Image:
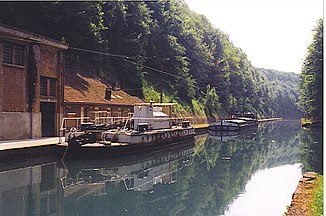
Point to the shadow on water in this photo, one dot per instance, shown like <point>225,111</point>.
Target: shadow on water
<point>199,178</point>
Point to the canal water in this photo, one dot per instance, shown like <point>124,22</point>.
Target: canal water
<point>253,172</point>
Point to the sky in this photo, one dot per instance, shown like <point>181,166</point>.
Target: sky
<point>273,33</point>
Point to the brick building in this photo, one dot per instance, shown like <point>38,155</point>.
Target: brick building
<point>88,96</point>
<point>31,84</point>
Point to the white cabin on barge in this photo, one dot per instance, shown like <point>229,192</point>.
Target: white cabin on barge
<point>157,116</point>
<point>152,123</point>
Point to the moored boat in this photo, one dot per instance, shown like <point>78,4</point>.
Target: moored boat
<point>235,122</point>
<point>151,126</point>
<point>225,125</point>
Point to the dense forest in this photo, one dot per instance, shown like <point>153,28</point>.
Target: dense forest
<point>311,79</point>
<point>146,47</point>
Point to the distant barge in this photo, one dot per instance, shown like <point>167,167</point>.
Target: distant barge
<point>235,122</point>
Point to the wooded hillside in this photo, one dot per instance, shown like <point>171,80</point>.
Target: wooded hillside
<point>157,44</point>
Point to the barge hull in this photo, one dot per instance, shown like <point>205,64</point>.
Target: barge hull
<point>117,149</point>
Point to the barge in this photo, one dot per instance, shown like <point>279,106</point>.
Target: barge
<point>235,122</point>
<point>151,126</point>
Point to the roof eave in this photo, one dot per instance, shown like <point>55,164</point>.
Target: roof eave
<point>18,34</point>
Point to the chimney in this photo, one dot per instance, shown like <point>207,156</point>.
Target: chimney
<point>108,94</point>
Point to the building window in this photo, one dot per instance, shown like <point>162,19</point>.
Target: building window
<point>7,54</point>
<point>52,87</point>
<point>125,113</point>
<point>13,54</point>
<point>19,56</point>
<point>48,86</point>
<point>44,86</point>
<point>109,112</point>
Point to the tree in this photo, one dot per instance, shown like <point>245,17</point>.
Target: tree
<point>311,80</point>
<point>167,36</point>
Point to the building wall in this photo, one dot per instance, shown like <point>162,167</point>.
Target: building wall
<point>12,83</point>
<point>103,110</point>
<point>19,125</point>
<point>89,108</point>
<point>52,66</point>
<point>20,112</point>
<point>1,79</point>
<point>14,88</point>
<point>49,63</point>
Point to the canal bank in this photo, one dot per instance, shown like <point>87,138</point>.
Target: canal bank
<point>308,196</point>
<point>28,143</point>
<point>28,148</point>
<point>269,119</point>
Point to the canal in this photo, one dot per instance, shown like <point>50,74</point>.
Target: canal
<point>253,172</point>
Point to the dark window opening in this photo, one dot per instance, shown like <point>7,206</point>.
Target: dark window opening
<point>7,54</point>
<point>13,54</point>
<point>43,86</point>
<point>48,87</point>
<point>19,56</point>
<point>52,89</point>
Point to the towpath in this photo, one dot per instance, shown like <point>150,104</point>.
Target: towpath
<point>28,143</point>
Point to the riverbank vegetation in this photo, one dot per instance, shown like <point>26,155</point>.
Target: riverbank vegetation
<point>318,196</point>
<point>146,47</point>
<point>311,79</point>
<point>308,198</point>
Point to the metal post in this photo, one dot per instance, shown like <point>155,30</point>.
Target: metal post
<point>161,89</point>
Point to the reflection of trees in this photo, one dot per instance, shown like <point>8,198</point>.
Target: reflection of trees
<point>312,149</point>
<point>279,142</point>
<point>220,171</point>
<point>221,179</point>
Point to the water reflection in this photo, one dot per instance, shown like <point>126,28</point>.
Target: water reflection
<point>312,149</point>
<point>30,191</point>
<point>218,174</point>
<point>141,175</point>
<point>267,192</point>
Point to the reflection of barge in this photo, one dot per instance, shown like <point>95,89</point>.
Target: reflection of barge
<point>151,126</point>
<point>235,122</point>
<point>138,173</point>
<point>248,133</point>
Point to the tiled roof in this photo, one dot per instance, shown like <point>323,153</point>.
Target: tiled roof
<point>82,87</point>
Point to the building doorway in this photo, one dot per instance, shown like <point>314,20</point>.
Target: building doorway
<point>48,119</point>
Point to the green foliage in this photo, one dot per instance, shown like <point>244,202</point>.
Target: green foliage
<point>318,196</point>
<point>281,92</point>
<point>186,50</point>
<point>198,108</point>
<point>211,101</point>
<point>311,80</point>
<point>150,94</point>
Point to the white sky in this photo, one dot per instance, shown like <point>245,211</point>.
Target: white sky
<point>273,33</point>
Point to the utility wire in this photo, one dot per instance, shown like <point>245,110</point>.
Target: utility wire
<point>127,59</point>
<point>98,52</point>
<point>154,69</point>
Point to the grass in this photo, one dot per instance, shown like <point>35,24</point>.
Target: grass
<point>318,197</point>
<point>309,200</point>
